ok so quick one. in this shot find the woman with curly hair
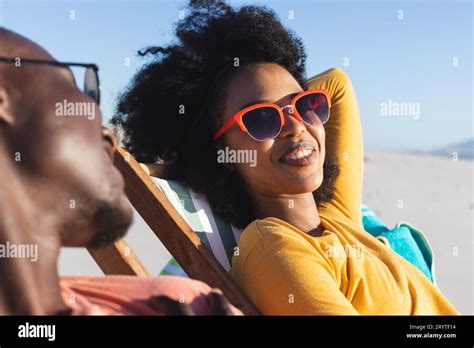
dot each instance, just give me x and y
(235, 79)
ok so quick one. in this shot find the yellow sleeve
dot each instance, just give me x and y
(283, 275)
(344, 142)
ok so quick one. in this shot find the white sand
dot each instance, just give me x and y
(437, 195)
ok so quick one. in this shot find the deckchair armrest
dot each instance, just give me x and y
(118, 258)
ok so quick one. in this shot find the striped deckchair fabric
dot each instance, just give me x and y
(220, 237)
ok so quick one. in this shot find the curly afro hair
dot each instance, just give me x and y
(170, 112)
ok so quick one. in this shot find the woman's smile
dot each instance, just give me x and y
(300, 154)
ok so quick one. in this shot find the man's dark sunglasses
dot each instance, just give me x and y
(91, 76)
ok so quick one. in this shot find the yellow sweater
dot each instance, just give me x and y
(345, 271)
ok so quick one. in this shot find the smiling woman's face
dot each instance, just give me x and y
(278, 170)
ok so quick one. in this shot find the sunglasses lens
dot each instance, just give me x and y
(263, 123)
(91, 85)
(313, 108)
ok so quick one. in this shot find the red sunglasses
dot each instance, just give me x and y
(264, 121)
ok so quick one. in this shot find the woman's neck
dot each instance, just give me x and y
(299, 210)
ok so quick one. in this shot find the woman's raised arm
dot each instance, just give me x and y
(344, 142)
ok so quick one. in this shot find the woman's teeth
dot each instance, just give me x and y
(295, 155)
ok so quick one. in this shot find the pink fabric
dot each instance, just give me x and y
(128, 295)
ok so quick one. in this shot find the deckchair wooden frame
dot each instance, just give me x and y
(172, 230)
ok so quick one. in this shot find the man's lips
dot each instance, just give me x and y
(300, 154)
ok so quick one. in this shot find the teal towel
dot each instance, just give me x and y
(401, 241)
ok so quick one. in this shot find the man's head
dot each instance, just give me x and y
(62, 157)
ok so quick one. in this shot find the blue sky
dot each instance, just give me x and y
(402, 60)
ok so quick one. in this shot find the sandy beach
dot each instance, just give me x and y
(434, 194)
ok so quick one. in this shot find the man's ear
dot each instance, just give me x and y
(6, 114)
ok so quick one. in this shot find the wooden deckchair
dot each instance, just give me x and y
(172, 230)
